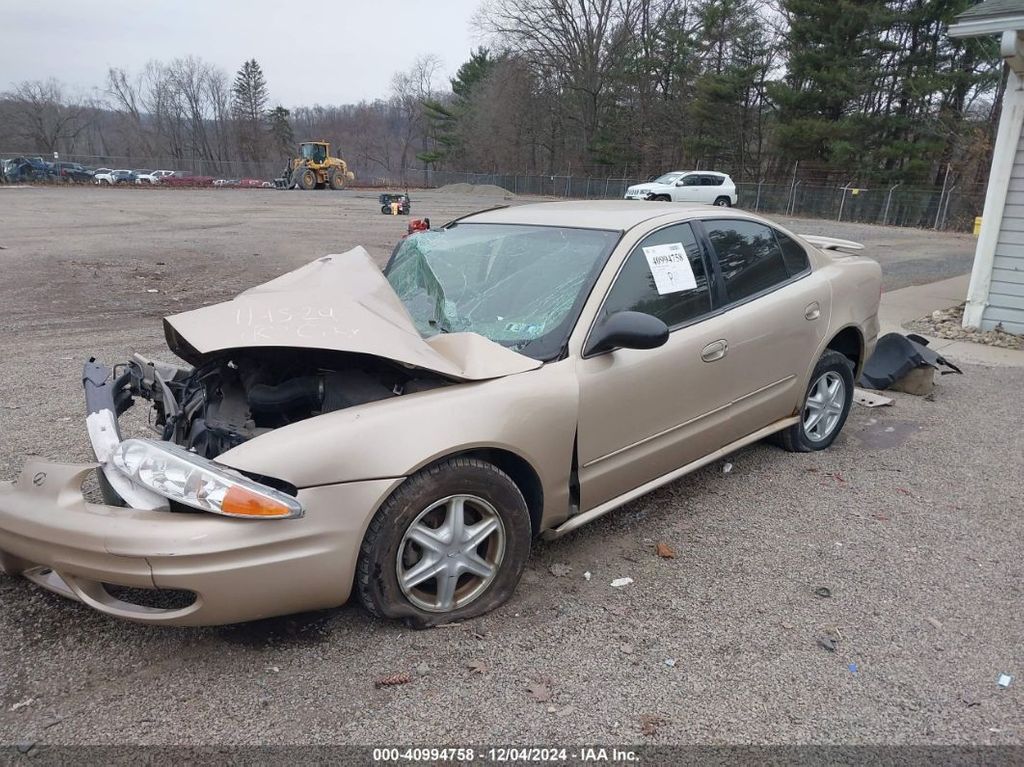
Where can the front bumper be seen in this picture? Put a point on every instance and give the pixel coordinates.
(238, 569)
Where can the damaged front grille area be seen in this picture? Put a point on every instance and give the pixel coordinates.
(232, 398)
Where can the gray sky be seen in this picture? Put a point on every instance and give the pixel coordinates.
(76, 41)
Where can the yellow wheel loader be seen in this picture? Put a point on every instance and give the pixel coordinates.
(314, 168)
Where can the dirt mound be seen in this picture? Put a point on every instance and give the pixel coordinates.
(480, 190)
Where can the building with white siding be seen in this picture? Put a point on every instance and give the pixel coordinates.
(996, 293)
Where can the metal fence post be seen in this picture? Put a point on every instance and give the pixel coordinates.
(888, 201)
(945, 210)
(791, 206)
(938, 211)
(757, 202)
(842, 202)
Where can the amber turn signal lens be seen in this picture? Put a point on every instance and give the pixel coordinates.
(241, 502)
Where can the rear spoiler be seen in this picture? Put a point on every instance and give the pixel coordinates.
(831, 243)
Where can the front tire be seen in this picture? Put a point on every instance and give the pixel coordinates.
(825, 408)
(450, 544)
(304, 178)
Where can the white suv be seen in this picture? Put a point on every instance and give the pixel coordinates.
(153, 177)
(704, 186)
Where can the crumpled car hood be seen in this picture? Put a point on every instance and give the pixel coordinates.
(336, 303)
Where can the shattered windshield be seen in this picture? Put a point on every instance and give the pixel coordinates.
(520, 286)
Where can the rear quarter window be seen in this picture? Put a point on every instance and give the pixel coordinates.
(793, 253)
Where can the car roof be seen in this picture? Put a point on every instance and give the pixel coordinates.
(617, 215)
(703, 173)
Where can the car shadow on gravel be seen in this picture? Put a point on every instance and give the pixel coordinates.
(298, 629)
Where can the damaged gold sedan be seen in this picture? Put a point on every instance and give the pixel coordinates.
(406, 435)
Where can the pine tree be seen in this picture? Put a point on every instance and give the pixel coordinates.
(445, 117)
(733, 49)
(249, 96)
(279, 127)
(832, 52)
(471, 73)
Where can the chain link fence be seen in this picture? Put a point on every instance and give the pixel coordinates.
(953, 208)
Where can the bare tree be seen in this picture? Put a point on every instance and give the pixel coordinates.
(409, 90)
(42, 114)
(573, 44)
(127, 102)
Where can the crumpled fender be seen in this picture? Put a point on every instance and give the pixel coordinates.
(532, 415)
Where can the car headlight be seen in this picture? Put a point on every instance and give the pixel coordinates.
(182, 476)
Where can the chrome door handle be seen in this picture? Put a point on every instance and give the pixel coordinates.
(714, 350)
(813, 311)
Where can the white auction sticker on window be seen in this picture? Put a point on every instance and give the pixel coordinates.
(670, 267)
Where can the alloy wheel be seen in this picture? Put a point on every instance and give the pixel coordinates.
(824, 407)
(450, 553)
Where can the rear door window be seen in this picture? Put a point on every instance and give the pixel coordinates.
(665, 276)
(749, 256)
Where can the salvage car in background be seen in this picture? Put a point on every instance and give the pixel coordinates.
(706, 187)
(151, 177)
(23, 169)
(406, 435)
(114, 177)
(73, 172)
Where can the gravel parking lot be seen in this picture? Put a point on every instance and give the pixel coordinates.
(912, 522)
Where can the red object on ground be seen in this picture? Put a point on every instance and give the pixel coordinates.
(419, 225)
(188, 181)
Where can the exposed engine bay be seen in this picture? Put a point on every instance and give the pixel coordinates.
(232, 398)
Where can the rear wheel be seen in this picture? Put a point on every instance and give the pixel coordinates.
(450, 544)
(826, 406)
(723, 202)
(336, 179)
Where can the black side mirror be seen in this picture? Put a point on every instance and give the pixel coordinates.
(627, 330)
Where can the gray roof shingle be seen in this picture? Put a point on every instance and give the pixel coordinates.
(992, 9)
